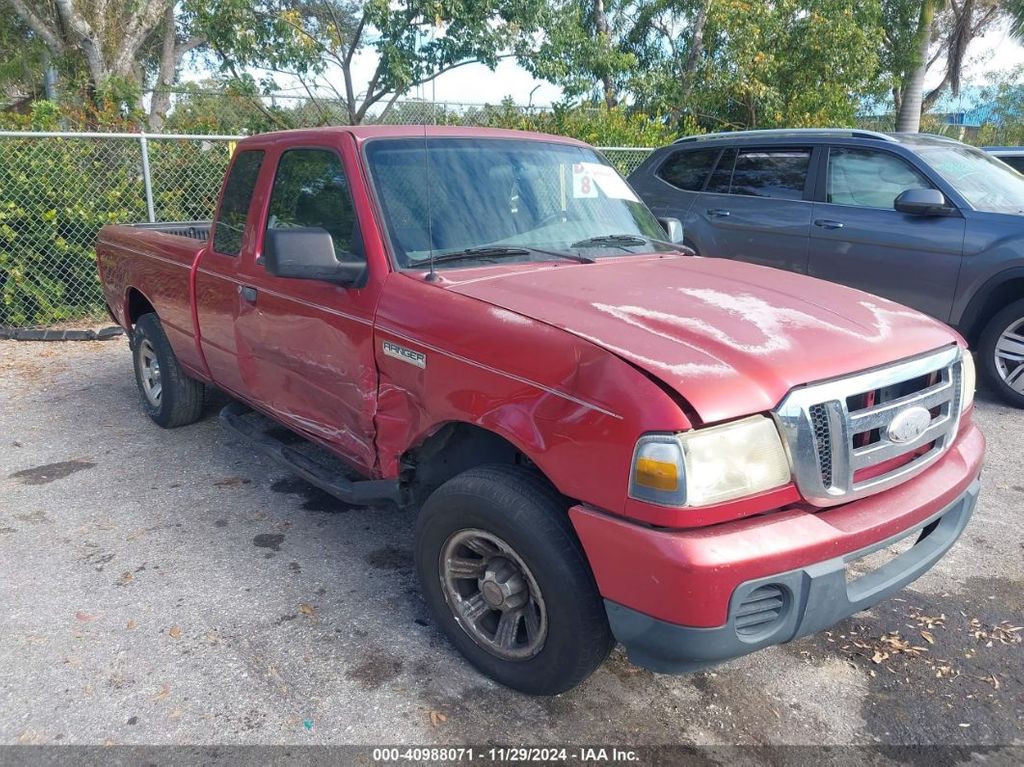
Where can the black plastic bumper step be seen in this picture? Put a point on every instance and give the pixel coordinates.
(331, 481)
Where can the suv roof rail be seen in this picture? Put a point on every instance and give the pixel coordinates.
(793, 132)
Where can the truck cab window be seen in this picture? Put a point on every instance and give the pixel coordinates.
(234, 207)
(311, 189)
(867, 178)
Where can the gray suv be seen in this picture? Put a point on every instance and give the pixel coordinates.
(923, 220)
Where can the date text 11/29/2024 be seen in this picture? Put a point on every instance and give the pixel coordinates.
(542, 754)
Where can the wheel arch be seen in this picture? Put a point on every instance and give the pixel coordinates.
(135, 305)
(452, 447)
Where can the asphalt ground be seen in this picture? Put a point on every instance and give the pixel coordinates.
(176, 587)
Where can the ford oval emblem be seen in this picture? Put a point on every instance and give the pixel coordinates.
(909, 424)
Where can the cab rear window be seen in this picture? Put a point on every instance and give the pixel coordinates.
(234, 207)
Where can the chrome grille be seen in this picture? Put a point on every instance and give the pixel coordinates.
(838, 433)
(822, 441)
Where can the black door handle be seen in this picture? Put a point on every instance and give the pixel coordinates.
(828, 223)
(718, 212)
(247, 293)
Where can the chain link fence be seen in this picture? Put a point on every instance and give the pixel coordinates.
(58, 189)
(626, 159)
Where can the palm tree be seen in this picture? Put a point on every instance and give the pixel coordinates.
(952, 26)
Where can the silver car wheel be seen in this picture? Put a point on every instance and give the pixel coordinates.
(149, 372)
(493, 595)
(1009, 355)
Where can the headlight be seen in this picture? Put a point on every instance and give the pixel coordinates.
(712, 465)
(967, 379)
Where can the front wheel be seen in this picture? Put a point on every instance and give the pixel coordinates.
(508, 582)
(168, 396)
(1001, 348)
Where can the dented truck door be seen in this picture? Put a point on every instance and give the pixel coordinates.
(305, 345)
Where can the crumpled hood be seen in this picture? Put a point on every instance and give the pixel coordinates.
(731, 338)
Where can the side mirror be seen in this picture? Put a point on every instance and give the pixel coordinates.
(673, 227)
(923, 202)
(307, 253)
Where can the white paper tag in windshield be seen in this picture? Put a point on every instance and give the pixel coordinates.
(588, 177)
(583, 181)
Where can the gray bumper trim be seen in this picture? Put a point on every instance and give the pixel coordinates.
(817, 596)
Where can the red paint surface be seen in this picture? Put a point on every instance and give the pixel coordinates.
(569, 362)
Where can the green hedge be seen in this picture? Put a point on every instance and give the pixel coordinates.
(56, 193)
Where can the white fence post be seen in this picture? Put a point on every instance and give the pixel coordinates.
(146, 179)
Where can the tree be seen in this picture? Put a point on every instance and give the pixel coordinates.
(24, 63)
(107, 38)
(116, 44)
(1004, 98)
(602, 35)
(923, 34)
(909, 91)
(580, 49)
(316, 42)
(745, 64)
(1015, 13)
(175, 41)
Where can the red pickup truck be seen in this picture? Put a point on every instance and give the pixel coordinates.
(603, 437)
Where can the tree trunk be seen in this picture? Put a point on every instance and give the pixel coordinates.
(108, 41)
(908, 119)
(604, 37)
(160, 104)
(696, 47)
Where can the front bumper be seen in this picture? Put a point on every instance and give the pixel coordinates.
(681, 599)
(792, 604)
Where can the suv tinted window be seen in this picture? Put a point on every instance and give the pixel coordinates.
(234, 207)
(311, 189)
(869, 178)
(778, 173)
(687, 170)
(722, 177)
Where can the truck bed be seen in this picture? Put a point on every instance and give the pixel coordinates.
(194, 230)
(154, 261)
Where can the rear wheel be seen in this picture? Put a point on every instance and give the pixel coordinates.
(168, 396)
(508, 582)
(1001, 348)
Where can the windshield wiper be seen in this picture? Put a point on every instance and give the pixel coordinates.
(501, 251)
(614, 240)
(626, 241)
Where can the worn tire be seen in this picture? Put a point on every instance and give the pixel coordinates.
(522, 509)
(181, 398)
(1002, 321)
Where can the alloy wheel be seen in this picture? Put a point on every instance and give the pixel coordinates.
(1009, 355)
(493, 594)
(149, 372)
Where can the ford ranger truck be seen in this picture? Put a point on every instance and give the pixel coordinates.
(603, 437)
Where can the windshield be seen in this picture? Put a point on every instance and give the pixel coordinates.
(985, 182)
(515, 200)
